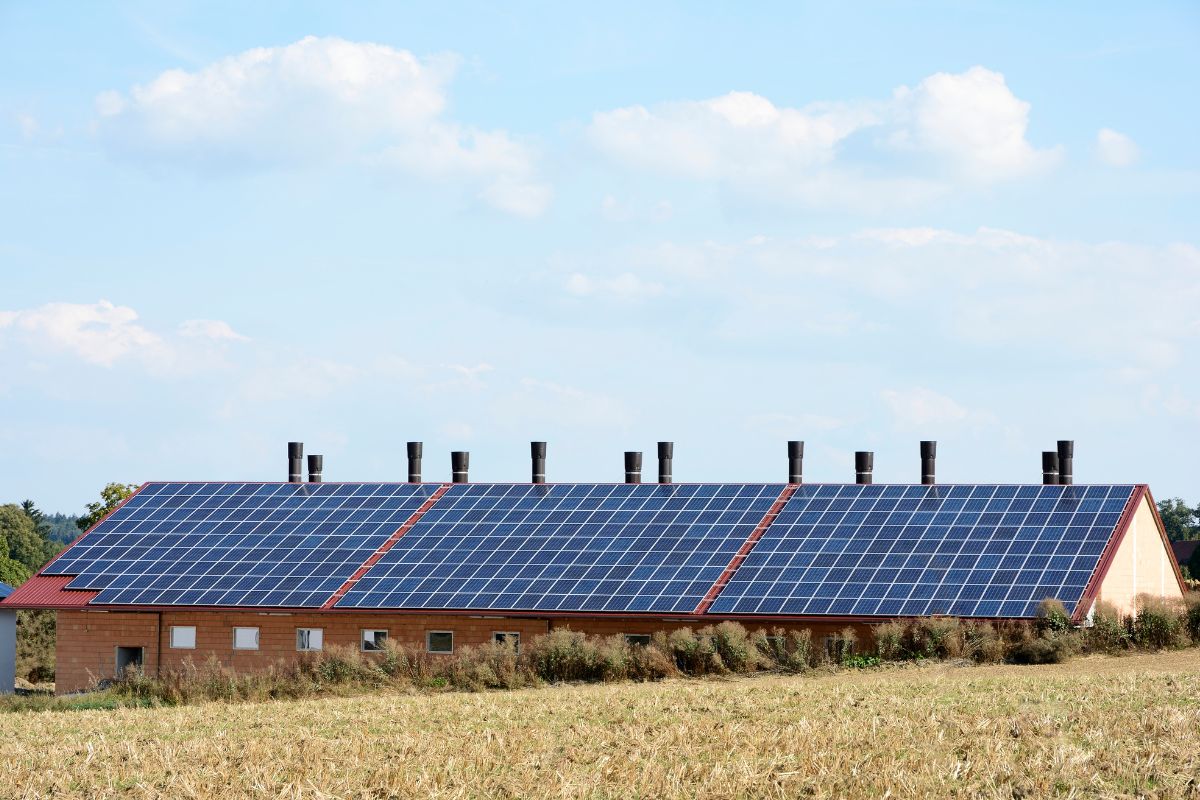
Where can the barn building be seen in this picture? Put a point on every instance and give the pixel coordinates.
(254, 572)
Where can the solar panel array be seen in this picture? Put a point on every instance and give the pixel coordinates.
(983, 551)
(567, 547)
(237, 544)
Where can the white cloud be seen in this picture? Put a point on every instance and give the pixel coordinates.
(567, 406)
(625, 287)
(210, 329)
(320, 100)
(1116, 149)
(28, 125)
(970, 125)
(923, 408)
(99, 333)
(973, 120)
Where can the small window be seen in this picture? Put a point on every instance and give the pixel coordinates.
(373, 639)
(310, 638)
(637, 639)
(508, 637)
(439, 641)
(245, 638)
(183, 637)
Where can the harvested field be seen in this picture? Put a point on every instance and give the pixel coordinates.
(1093, 727)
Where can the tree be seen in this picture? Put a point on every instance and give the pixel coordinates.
(37, 517)
(111, 496)
(1181, 521)
(20, 539)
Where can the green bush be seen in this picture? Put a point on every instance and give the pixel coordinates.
(1052, 616)
(936, 637)
(1191, 615)
(734, 647)
(1047, 647)
(1108, 632)
(1158, 623)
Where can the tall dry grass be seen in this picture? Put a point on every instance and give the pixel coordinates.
(1093, 727)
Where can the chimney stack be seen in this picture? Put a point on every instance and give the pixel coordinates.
(1066, 462)
(795, 462)
(864, 465)
(666, 452)
(1049, 468)
(295, 462)
(415, 450)
(928, 457)
(537, 452)
(633, 466)
(460, 461)
(315, 463)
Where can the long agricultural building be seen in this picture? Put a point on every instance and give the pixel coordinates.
(250, 573)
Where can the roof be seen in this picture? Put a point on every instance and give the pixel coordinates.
(1184, 550)
(5, 590)
(754, 551)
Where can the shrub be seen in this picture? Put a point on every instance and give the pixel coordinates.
(1192, 615)
(695, 654)
(567, 655)
(889, 640)
(1048, 647)
(1052, 616)
(733, 647)
(980, 642)
(1107, 633)
(1158, 623)
(936, 637)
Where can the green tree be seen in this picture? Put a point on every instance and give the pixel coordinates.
(1180, 520)
(14, 573)
(21, 541)
(37, 517)
(111, 496)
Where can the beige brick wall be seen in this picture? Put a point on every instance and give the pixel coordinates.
(1141, 565)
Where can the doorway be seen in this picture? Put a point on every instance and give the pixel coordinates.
(129, 657)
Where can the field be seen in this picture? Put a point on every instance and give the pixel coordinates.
(1093, 727)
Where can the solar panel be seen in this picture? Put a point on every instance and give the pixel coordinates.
(237, 544)
(576, 547)
(967, 551)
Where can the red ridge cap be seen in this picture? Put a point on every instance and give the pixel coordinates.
(746, 547)
(373, 559)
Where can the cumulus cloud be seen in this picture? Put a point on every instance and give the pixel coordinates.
(1116, 149)
(920, 408)
(105, 334)
(320, 100)
(213, 329)
(626, 286)
(969, 125)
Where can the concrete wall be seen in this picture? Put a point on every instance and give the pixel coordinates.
(8, 651)
(1141, 565)
(88, 640)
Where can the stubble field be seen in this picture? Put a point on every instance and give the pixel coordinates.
(1094, 727)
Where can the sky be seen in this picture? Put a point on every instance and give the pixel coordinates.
(225, 226)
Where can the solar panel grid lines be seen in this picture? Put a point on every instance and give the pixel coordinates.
(588, 548)
(888, 550)
(237, 544)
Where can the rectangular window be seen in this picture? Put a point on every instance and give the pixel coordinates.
(637, 639)
(183, 637)
(245, 638)
(508, 637)
(439, 641)
(373, 639)
(310, 638)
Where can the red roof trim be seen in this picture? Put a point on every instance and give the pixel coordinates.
(48, 591)
(373, 559)
(747, 546)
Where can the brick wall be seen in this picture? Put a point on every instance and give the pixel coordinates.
(88, 640)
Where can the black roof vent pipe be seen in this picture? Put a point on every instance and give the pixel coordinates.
(1066, 461)
(460, 462)
(864, 465)
(795, 462)
(633, 466)
(537, 452)
(415, 451)
(295, 462)
(928, 457)
(666, 452)
(1049, 468)
(315, 464)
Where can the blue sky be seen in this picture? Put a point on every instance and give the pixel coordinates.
(224, 227)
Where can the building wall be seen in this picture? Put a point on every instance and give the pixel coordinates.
(88, 640)
(1141, 565)
(8, 651)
